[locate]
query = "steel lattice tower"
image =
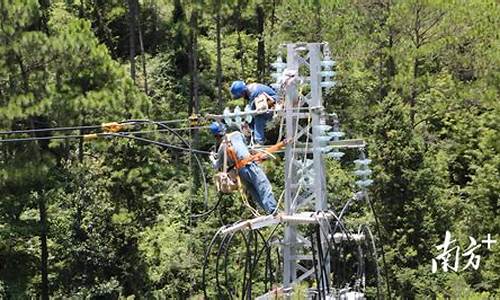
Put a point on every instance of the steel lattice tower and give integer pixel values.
(305, 182)
(302, 78)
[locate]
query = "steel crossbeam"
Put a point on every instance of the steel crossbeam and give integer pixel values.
(306, 217)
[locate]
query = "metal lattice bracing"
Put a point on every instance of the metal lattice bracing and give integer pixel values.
(305, 182)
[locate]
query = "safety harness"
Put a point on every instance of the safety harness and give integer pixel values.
(258, 157)
(228, 180)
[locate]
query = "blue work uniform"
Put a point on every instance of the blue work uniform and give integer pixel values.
(259, 122)
(251, 175)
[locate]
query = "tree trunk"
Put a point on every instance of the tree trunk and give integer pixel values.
(317, 15)
(240, 43)
(44, 15)
(141, 44)
(271, 30)
(387, 63)
(44, 293)
(131, 37)
(218, 72)
(195, 100)
(194, 62)
(193, 65)
(261, 50)
(273, 16)
(43, 247)
(103, 32)
(154, 42)
(417, 61)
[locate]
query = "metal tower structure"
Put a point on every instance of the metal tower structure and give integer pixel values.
(305, 182)
(301, 79)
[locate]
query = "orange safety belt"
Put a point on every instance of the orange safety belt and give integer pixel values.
(258, 157)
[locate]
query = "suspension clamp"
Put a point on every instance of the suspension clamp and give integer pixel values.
(112, 127)
(90, 136)
(196, 120)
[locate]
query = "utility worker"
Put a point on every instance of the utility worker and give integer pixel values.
(251, 175)
(260, 97)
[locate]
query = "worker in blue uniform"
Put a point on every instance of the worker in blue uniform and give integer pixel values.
(252, 92)
(251, 175)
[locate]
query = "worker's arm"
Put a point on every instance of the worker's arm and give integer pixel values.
(219, 158)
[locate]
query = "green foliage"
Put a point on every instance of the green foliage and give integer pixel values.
(417, 79)
(165, 248)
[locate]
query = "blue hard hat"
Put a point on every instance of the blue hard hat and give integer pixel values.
(237, 89)
(217, 128)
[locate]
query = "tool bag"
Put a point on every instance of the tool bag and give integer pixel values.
(263, 102)
(226, 181)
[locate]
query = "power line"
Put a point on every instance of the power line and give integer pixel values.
(129, 135)
(82, 127)
(159, 143)
(41, 138)
(132, 122)
(72, 136)
(198, 162)
(69, 128)
(190, 128)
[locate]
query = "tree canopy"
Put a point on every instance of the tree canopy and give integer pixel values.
(112, 218)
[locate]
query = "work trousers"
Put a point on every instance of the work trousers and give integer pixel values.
(259, 187)
(259, 127)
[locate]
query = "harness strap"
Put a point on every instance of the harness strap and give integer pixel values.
(224, 164)
(232, 154)
(258, 157)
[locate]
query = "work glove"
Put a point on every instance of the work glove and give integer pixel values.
(213, 157)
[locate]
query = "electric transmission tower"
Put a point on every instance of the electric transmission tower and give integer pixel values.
(313, 135)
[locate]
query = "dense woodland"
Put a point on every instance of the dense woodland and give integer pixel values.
(111, 218)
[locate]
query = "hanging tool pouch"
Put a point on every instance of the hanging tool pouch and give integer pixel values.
(226, 181)
(263, 102)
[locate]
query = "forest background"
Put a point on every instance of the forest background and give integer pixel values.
(110, 218)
